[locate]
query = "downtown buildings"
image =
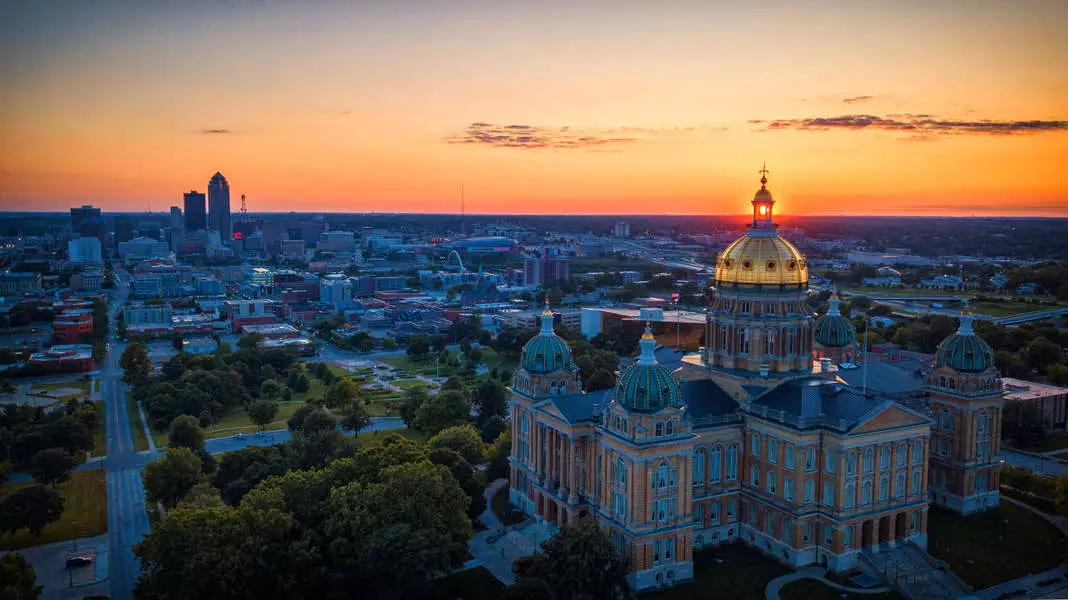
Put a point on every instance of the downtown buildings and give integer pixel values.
(756, 438)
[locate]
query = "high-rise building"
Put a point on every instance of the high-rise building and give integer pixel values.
(621, 229)
(80, 214)
(176, 217)
(124, 229)
(219, 207)
(195, 216)
(84, 251)
(545, 269)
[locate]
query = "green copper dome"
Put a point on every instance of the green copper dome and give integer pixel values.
(647, 386)
(546, 352)
(834, 330)
(964, 351)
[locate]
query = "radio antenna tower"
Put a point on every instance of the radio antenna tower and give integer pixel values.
(463, 212)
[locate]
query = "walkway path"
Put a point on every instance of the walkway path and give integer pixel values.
(499, 546)
(775, 585)
(1059, 522)
(912, 570)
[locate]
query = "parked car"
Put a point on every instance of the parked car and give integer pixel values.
(79, 561)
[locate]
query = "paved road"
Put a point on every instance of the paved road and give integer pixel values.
(1042, 466)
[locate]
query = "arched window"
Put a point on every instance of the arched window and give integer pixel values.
(884, 457)
(899, 484)
(850, 494)
(851, 463)
(659, 429)
(714, 465)
(671, 428)
(942, 381)
(810, 459)
(754, 475)
(901, 454)
(884, 482)
(865, 497)
(754, 445)
(915, 482)
(699, 466)
(662, 475)
(769, 342)
(952, 383)
(917, 452)
(869, 460)
(732, 462)
(743, 341)
(622, 471)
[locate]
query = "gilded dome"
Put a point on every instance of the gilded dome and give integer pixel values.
(647, 386)
(546, 352)
(964, 351)
(834, 330)
(761, 258)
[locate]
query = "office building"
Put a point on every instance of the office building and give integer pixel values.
(195, 216)
(219, 207)
(79, 215)
(84, 251)
(176, 218)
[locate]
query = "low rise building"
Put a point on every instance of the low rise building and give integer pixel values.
(272, 331)
(15, 283)
(70, 325)
(1051, 401)
(64, 358)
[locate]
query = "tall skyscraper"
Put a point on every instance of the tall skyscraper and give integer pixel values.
(176, 217)
(219, 207)
(195, 218)
(79, 215)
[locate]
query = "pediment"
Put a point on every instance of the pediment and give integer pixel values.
(892, 416)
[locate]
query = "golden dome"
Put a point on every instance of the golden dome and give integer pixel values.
(766, 260)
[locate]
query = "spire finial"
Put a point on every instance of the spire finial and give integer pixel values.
(648, 346)
(966, 321)
(548, 312)
(648, 335)
(764, 174)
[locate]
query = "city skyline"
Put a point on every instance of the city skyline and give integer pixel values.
(883, 108)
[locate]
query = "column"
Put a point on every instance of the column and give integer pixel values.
(875, 534)
(891, 530)
(572, 477)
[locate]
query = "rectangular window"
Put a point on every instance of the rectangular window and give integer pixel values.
(788, 488)
(901, 455)
(828, 462)
(810, 491)
(656, 551)
(788, 457)
(732, 511)
(773, 451)
(828, 535)
(714, 465)
(699, 514)
(754, 445)
(787, 531)
(851, 464)
(669, 545)
(771, 482)
(752, 514)
(828, 494)
(732, 463)
(884, 458)
(713, 513)
(754, 476)
(810, 460)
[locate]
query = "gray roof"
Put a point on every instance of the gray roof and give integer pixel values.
(814, 402)
(704, 398)
(884, 378)
(577, 408)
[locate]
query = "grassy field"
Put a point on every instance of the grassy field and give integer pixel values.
(337, 370)
(811, 589)
(407, 384)
(472, 584)
(995, 546)
(733, 572)
(79, 383)
(100, 441)
(1050, 442)
(1005, 308)
(407, 365)
(238, 421)
(137, 430)
(861, 290)
(85, 511)
(316, 389)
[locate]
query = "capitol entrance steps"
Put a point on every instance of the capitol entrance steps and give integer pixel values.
(915, 573)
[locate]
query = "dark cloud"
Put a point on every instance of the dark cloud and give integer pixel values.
(917, 125)
(214, 131)
(533, 137)
(856, 99)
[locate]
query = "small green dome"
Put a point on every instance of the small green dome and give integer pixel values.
(832, 329)
(546, 352)
(964, 351)
(647, 386)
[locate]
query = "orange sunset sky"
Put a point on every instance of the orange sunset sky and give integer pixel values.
(897, 107)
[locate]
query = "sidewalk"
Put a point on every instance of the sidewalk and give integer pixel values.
(775, 585)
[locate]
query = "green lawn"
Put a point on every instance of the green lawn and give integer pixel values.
(472, 584)
(316, 390)
(338, 371)
(732, 572)
(407, 365)
(503, 509)
(137, 430)
(1052, 441)
(85, 511)
(100, 441)
(996, 546)
(1004, 308)
(238, 421)
(811, 589)
(79, 383)
(407, 384)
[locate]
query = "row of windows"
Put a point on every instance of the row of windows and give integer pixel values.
(713, 512)
(985, 384)
(771, 485)
(830, 458)
(715, 464)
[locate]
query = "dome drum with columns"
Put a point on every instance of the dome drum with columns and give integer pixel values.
(834, 337)
(545, 366)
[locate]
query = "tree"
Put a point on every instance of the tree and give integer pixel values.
(170, 478)
(437, 343)
(602, 379)
(341, 393)
(491, 399)
(173, 368)
(413, 399)
(1041, 353)
(262, 411)
(31, 508)
(271, 390)
(1057, 373)
(463, 440)
(136, 363)
(485, 338)
(465, 346)
(579, 563)
(492, 429)
(443, 410)
(1060, 494)
(185, 432)
(18, 581)
(356, 417)
(418, 346)
(52, 466)
(389, 343)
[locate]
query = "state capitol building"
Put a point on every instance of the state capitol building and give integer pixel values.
(755, 439)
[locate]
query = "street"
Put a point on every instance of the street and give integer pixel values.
(1040, 466)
